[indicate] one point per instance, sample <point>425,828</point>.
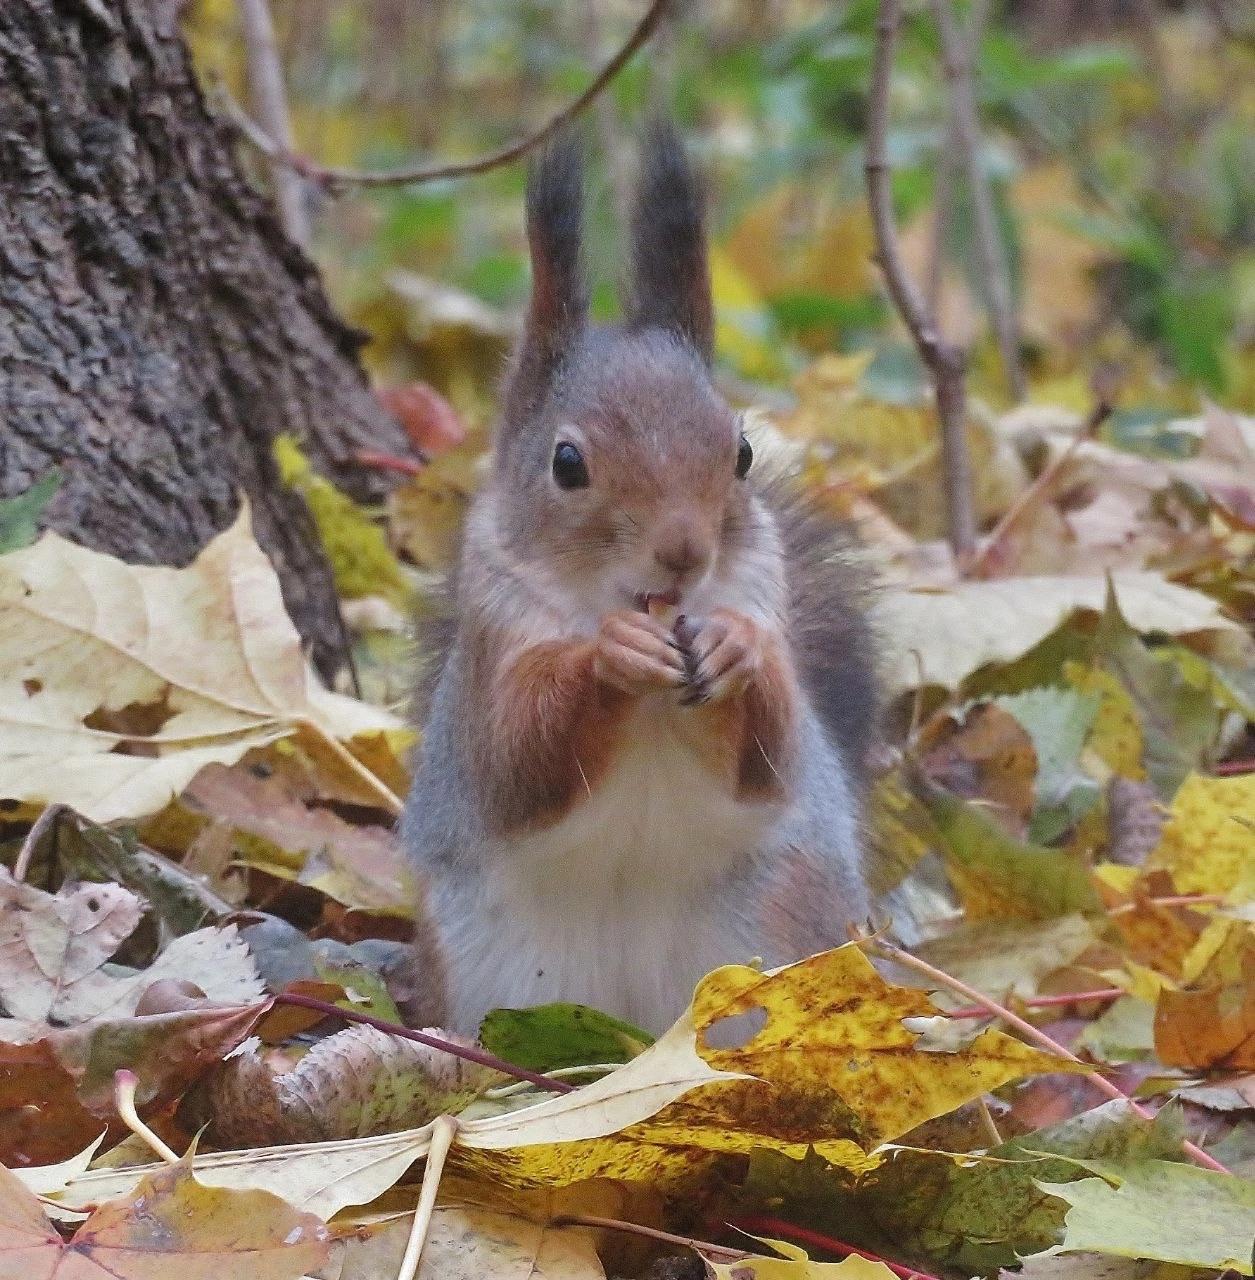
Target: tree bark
<point>157,329</point>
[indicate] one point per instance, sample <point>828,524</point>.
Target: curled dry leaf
<point>53,947</point>
<point>356,1083</point>
<point>170,1224</point>
<point>200,665</point>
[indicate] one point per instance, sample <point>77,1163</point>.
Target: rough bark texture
<point>157,330</point>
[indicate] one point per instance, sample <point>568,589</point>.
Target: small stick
<point>991,557</point>
<point>987,1122</point>
<point>37,832</point>
<point>331,178</point>
<point>265,83</point>
<point>124,1083</point>
<point>944,360</point>
<point>468,1052</point>
<point>443,1131</point>
<point>1044,1002</point>
<point>651,1233</point>
<point>1030,1032</point>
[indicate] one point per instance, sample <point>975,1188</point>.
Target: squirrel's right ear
<point>559,303</point>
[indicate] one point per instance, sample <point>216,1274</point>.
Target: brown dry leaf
<point>56,1085</point>
<point>52,948</point>
<point>200,664</point>
<point>170,1224</point>
<point>987,757</point>
<point>359,866</point>
<point>1211,1024</point>
<point>358,1082</point>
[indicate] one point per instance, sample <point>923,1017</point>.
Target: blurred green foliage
<point>1118,139</point>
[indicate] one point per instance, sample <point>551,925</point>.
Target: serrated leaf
<point>1163,1211</point>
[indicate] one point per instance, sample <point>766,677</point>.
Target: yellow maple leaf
<point>1208,843</point>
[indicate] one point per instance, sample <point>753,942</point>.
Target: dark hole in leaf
<point>736,1030</point>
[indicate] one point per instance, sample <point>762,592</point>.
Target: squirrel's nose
<point>681,553</point>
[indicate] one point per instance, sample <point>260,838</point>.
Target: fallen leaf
<point>56,1085</point>
<point>355,1083</point>
<point>940,637</point>
<point>1163,1211</point>
<point>1208,843</point>
<point>170,1223</point>
<point>53,947</point>
<point>201,664</point>
<point>796,1265</point>
<point>560,1035</point>
<point>1211,1022</point>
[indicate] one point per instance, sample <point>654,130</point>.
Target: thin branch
<point>650,1233</point>
<point>1029,1032</point>
<point>265,85</point>
<point>1104,994</point>
<point>468,1052</point>
<point>957,54</point>
<point>996,556</point>
<point>944,361</point>
<point>333,178</point>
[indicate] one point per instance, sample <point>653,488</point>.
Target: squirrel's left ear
<point>558,309</point>
<point>670,274</point>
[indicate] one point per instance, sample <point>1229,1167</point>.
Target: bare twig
<point>650,1233</point>
<point>944,361</point>
<point>1029,1032</point>
<point>333,178</point>
<point>994,556</point>
<point>957,53</point>
<point>265,85</point>
<point>469,1052</point>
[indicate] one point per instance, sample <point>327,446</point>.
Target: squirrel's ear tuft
<point>559,301</point>
<point>670,274</point>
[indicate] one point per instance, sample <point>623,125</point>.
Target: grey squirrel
<point>644,743</point>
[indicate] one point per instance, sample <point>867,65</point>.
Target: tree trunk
<point>157,330</point>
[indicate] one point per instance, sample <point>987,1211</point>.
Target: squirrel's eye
<point>744,456</point>
<point>568,466</point>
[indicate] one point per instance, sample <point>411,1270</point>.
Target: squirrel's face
<point>637,477</point>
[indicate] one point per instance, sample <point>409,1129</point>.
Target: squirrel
<point>644,745</point>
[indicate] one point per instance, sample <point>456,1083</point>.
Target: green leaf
<point>999,877</point>
<point>1179,721</point>
<point>1163,1211</point>
<point>560,1035</point>
<point>19,516</point>
<point>1058,720</point>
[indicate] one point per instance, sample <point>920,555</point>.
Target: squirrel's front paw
<point>637,654</point>
<point>725,651</point>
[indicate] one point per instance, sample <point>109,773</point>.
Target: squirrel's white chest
<point>617,905</point>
